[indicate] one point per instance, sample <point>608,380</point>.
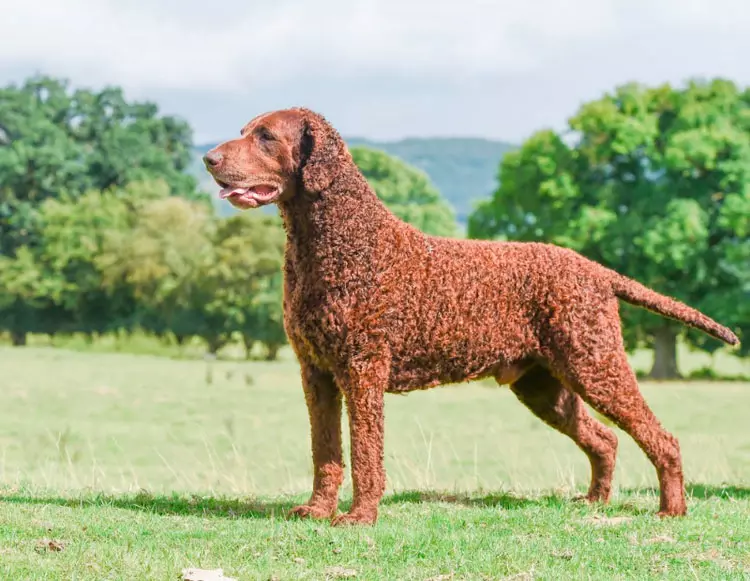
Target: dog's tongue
<point>230,191</point>
<point>259,191</point>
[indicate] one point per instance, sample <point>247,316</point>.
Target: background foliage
<point>652,182</point>
<point>103,229</point>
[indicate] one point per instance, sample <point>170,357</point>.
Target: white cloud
<point>240,45</point>
<point>381,68</point>
<point>703,16</point>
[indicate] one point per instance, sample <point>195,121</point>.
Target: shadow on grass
<point>704,491</point>
<point>502,500</point>
<point>505,501</point>
<point>194,505</point>
<point>696,491</point>
<point>206,506</point>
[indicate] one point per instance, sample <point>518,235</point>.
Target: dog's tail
<point>636,294</point>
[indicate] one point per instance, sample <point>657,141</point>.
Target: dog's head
<point>278,156</point>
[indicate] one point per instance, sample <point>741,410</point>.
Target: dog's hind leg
<point>563,410</point>
<point>591,360</point>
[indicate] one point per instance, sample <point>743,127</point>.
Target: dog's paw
<point>311,511</point>
<point>673,513</point>
<point>355,518</point>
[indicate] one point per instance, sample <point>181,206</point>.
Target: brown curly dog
<point>372,305</point>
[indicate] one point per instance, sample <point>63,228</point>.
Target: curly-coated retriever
<point>373,305</point>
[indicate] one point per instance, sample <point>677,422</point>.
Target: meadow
<point>134,466</point>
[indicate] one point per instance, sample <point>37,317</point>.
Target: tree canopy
<point>653,182</point>
<point>65,145</point>
<point>102,229</point>
<point>63,141</point>
<point>406,191</point>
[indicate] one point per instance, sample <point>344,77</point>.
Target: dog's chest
<point>315,325</point>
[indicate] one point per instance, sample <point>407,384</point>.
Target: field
<point>117,466</point>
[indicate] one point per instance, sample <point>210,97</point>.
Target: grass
<point>139,467</point>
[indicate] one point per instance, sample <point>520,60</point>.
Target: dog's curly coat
<point>373,305</point>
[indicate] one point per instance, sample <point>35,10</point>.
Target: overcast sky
<point>376,68</point>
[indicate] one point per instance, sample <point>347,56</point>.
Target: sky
<point>382,69</point>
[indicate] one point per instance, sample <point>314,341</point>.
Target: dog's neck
<point>341,224</point>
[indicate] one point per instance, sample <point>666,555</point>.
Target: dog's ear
<point>322,152</point>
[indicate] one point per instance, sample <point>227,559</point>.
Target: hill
<point>463,169</point>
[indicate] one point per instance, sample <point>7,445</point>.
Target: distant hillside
<point>463,169</point>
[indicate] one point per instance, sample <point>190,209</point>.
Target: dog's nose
<point>212,158</point>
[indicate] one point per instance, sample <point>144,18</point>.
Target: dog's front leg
<point>364,389</point>
<point>324,407</point>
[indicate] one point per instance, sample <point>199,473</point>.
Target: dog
<point>373,306</point>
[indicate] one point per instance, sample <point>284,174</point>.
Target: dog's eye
<point>264,134</point>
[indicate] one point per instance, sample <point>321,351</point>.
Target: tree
<point>245,278</point>
<point>406,191</point>
<point>159,257</point>
<point>59,143</point>
<point>24,288</point>
<point>652,182</point>
<point>194,275</point>
<point>266,321</point>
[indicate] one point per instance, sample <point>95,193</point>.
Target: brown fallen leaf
<point>340,573</point>
<point>205,575</point>
<point>49,545</point>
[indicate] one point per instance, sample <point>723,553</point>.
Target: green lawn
<point>140,468</point>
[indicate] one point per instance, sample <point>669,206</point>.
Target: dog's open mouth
<point>248,196</point>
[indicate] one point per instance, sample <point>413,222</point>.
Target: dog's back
<point>455,310</point>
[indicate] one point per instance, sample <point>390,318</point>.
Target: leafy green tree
<point>245,279</point>
<point>24,288</point>
<point>159,256</point>
<point>266,321</point>
<point>72,236</point>
<point>59,143</point>
<point>653,182</point>
<point>406,191</point>
<point>194,275</point>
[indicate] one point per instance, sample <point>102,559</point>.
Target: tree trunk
<point>214,344</point>
<point>18,338</point>
<point>665,354</point>
<point>272,351</point>
<point>249,343</point>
